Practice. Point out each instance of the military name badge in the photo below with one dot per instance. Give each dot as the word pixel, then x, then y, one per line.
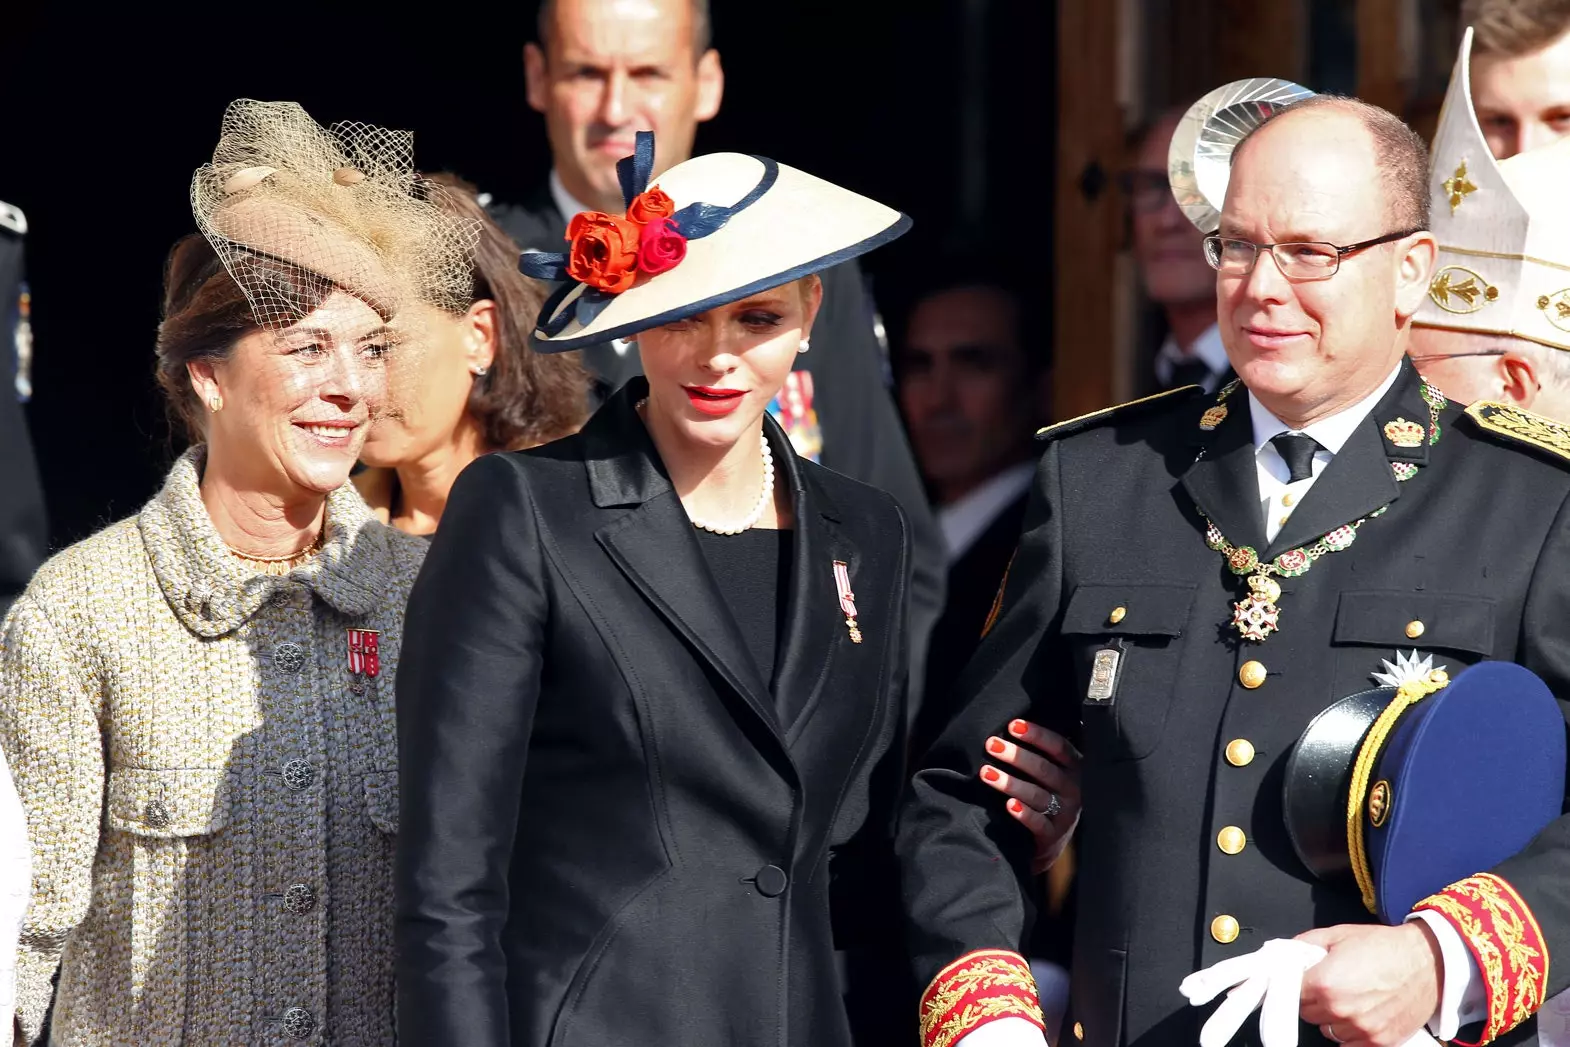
pixel 1404 433
pixel 1103 675
pixel 364 661
pixel 847 599
pixel 1213 417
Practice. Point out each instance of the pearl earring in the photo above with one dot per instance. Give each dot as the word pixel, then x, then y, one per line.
pixel 480 372
pixel 215 403
pixel 806 343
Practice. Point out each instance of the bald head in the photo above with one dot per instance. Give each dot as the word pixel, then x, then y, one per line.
pixel 1397 156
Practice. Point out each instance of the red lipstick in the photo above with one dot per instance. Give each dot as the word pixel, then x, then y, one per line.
pixel 714 401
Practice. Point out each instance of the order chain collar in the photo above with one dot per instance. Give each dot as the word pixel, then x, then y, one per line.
pixel 1256 615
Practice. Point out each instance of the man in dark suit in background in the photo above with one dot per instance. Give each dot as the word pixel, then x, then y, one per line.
pixel 24 536
pixel 973 390
pixel 603 70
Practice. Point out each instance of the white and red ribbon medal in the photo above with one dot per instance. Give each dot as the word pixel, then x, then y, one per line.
pixel 847 599
pixel 364 662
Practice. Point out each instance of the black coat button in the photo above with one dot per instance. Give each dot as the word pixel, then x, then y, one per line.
pixel 771 881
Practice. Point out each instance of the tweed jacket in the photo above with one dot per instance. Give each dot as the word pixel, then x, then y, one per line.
pixel 211 803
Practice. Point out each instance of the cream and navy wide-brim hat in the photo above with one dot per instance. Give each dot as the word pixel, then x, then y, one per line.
pixel 749 224
pixel 1503 228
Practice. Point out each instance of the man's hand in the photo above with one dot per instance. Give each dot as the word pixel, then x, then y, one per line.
pixel 1376 985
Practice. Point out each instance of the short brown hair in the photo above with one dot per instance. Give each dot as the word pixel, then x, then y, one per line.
pixel 1401 153
pixel 702 27
pixel 1512 28
pixel 526 398
pixel 204 314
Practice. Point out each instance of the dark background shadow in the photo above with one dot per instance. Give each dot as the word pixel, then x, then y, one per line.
pixel 110 114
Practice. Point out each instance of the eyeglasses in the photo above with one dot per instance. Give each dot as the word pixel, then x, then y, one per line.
pixel 1452 356
pixel 1299 261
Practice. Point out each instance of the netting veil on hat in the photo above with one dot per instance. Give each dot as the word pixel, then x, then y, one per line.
pixel 295 211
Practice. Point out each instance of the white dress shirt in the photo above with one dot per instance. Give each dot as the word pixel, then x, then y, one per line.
pixel 964 519
pixel 1207 349
pixel 569 205
pixel 1461 996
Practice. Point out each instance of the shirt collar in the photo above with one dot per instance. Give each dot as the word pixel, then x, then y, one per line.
pixel 964 519
pixel 565 202
pixel 1331 433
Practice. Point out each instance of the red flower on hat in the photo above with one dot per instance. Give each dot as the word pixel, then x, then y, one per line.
pixel 650 205
pixel 604 252
pixel 661 246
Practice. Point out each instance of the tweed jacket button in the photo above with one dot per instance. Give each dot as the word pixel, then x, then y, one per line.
pixel 1224 929
pixel 771 881
pixel 299 775
pixel 1240 752
pixel 297 1022
pixel 289 657
pixel 156 815
pixel 1251 674
pixel 299 899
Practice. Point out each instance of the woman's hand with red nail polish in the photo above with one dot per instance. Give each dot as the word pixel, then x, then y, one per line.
pixel 1044 794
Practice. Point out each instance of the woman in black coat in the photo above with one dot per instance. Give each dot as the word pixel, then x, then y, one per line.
pixel 650 698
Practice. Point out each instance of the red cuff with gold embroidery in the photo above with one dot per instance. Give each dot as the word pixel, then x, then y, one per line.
pixel 1507 944
pixel 975 989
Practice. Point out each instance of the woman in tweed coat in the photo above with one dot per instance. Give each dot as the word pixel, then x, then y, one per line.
pixel 196 702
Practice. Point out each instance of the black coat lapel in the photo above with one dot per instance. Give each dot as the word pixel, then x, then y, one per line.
pixel 1359 478
pixel 655 547
pixel 814 623
pixel 1224 482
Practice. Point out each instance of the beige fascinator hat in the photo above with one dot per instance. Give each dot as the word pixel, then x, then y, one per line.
pixel 296 211
pixel 1503 228
pixel 709 231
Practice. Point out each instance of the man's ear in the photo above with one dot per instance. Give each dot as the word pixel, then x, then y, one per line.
pixel 535 80
pixel 1414 272
pixel 1518 379
pixel 711 85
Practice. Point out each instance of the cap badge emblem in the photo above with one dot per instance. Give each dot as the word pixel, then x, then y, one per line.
pixel 1379 803
pixel 1556 308
pixel 1457 187
pixel 1404 433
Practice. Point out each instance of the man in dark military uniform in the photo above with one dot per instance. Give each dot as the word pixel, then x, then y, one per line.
pixel 24 537
pixel 1199 576
pixel 602 71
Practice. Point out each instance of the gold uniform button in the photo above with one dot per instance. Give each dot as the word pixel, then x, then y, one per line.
pixel 1251 674
pixel 1231 840
pixel 1414 629
pixel 1079 1031
pixel 1240 752
pixel 1287 499
pixel 1224 929
pixel 1117 615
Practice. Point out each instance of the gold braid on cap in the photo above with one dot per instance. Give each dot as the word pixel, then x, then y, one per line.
pixel 296 211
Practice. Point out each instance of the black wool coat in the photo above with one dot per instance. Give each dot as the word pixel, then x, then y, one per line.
pixel 1476 546
pixel 607 834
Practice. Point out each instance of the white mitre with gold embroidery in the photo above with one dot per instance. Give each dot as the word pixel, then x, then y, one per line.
pixel 1503 229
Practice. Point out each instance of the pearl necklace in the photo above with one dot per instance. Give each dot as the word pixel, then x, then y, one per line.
pixel 764 496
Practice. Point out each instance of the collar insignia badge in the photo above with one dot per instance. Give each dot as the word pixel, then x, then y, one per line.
pixel 1403 433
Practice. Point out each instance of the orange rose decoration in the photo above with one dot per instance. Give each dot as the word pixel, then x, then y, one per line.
pixel 604 252
pixel 650 206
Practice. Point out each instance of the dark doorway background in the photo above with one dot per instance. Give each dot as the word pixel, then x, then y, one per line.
pixel 109 115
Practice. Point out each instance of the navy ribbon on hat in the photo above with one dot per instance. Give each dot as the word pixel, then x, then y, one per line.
pixel 693 222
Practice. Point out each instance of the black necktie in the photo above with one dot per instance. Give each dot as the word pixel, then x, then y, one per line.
pixel 1297 450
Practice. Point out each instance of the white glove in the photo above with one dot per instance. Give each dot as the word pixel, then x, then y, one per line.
pixel 1271 979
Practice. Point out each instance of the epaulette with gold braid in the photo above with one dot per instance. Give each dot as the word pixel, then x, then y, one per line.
pixel 1522 426
pixel 1085 421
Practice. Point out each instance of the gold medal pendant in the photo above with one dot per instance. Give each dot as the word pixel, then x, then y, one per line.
pixel 1256 616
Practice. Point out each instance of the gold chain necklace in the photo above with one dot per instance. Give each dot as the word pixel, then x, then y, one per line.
pixel 1257 615
pixel 278 566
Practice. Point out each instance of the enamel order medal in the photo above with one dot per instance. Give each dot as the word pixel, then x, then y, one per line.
pixel 364 662
pixel 847 599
